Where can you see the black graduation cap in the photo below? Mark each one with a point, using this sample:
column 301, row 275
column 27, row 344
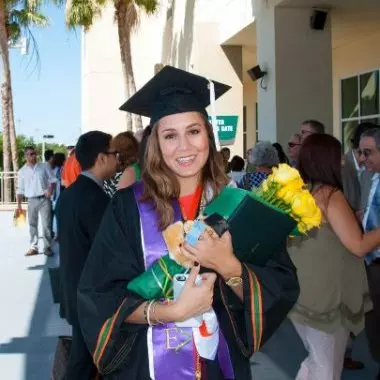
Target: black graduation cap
column 173, row 91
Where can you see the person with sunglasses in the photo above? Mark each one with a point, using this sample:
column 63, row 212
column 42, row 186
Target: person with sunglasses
column 79, row 211
column 369, row 151
column 294, row 146
column 356, row 185
column 36, row 183
column 356, row 179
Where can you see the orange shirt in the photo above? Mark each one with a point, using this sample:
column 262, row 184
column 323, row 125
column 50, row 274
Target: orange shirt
column 71, row 170
column 190, row 204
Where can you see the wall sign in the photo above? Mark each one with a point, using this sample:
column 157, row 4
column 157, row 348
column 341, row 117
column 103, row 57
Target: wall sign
column 227, row 128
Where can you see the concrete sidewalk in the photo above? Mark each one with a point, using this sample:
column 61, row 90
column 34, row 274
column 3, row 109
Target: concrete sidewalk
column 30, row 323
column 29, row 320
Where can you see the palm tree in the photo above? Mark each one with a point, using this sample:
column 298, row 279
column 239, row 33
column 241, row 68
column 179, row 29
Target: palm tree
column 16, row 18
column 5, row 87
column 83, row 13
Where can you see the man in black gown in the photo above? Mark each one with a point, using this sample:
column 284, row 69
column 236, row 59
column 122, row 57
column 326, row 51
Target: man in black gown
column 80, row 209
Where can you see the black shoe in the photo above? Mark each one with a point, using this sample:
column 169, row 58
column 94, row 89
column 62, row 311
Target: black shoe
column 48, row 252
column 351, row 364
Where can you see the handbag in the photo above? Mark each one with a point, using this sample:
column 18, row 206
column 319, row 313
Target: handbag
column 61, row 357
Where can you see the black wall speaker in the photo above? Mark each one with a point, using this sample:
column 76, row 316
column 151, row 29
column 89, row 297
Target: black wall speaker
column 318, row 19
column 256, row 73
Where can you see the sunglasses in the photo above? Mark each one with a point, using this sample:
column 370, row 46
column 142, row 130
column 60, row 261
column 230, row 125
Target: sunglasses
column 292, row 145
column 112, row 153
column 31, row 154
column 365, row 152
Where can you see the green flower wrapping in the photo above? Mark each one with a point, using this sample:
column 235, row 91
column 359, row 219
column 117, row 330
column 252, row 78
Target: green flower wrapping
column 157, row 281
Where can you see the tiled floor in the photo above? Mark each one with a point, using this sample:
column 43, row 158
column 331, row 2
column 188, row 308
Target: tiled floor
column 30, row 324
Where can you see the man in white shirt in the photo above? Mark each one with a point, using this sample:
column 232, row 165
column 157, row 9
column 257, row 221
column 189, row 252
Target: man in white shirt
column 370, row 151
column 36, row 183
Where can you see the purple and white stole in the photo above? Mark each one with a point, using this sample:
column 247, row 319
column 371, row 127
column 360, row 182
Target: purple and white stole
column 171, row 350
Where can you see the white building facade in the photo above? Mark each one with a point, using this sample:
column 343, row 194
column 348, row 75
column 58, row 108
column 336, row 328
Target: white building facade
column 331, row 75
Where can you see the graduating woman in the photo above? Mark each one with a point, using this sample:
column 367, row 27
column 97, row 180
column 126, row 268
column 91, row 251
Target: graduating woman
column 131, row 338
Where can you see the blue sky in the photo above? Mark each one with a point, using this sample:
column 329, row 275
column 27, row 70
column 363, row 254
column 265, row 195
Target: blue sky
column 47, row 99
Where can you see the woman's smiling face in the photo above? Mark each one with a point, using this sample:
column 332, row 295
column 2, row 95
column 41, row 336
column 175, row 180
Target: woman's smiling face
column 184, row 143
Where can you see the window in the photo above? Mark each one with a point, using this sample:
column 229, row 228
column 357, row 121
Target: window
column 360, row 97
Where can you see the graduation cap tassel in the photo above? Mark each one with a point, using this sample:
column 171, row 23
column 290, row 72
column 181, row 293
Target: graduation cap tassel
column 213, row 114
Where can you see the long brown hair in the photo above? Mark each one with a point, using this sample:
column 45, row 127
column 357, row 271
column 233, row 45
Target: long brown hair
column 160, row 183
column 320, row 161
column 320, row 164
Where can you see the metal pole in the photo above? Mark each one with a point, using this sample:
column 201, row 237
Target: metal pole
column 44, row 138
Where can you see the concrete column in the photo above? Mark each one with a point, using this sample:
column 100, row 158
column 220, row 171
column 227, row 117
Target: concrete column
column 298, row 60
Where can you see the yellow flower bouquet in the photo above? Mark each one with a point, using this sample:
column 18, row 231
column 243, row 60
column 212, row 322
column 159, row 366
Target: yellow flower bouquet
column 285, row 190
column 260, row 221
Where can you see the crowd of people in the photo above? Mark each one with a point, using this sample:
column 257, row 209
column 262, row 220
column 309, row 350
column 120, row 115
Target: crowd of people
column 41, row 184
column 109, row 200
column 339, row 290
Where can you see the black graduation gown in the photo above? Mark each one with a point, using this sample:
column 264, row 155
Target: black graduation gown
column 80, row 210
column 120, row 349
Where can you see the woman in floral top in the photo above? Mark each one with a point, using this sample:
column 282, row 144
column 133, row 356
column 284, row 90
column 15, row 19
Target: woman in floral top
column 264, row 157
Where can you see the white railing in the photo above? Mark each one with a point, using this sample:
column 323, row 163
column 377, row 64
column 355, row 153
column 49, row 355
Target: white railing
column 4, row 176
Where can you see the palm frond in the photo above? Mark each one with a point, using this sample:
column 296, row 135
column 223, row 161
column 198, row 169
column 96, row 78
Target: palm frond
column 58, row 3
column 81, row 12
column 21, row 16
column 32, row 4
column 101, row 3
column 149, row 6
column 14, row 32
column 27, row 17
column 35, row 55
column 134, row 8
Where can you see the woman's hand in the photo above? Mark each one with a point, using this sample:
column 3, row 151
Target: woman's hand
column 195, row 299
column 215, row 253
